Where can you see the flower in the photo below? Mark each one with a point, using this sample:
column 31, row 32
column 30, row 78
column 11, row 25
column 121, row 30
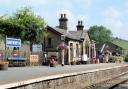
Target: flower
column 62, row 46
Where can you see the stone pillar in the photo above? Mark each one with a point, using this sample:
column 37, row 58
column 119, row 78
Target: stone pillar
column 89, row 52
column 94, row 52
column 62, row 55
column 62, row 51
column 69, row 59
column 93, row 48
column 79, row 50
column 74, row 50
column 83, row 48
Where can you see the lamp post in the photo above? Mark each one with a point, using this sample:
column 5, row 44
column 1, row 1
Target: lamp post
column 62, row 51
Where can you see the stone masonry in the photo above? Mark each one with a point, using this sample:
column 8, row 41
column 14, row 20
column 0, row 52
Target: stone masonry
column 77, row 81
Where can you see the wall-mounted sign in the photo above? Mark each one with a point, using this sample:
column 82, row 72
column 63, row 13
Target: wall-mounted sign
column 62, row 37
column 34, row 58
column 12, row 42
column 36, row 48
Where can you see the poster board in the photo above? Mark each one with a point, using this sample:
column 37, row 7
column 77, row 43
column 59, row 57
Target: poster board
column 34, row 58
column 12, row 42
column 36, row 48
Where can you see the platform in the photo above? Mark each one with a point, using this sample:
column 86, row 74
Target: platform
column 15, row 76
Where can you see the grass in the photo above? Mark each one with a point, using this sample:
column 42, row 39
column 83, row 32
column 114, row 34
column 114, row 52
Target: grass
column 120, row 42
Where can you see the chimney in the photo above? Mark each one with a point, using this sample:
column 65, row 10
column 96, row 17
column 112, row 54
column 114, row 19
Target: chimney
column 63, row 22
column 80, row 26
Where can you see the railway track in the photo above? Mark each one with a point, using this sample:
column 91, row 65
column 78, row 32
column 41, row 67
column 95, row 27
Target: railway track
column 120, row 82
column 122, row 85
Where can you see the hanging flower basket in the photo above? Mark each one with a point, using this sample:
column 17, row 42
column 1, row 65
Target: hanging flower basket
column 62, row 46
column 3, row 65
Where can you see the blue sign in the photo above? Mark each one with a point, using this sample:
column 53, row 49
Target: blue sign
column 12, row 42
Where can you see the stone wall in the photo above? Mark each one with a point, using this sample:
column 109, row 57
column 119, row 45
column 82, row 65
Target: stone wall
column 77, row 80
column 24, row 51
column 55, row 41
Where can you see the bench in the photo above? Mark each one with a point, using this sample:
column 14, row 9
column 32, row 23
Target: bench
column 16, row 61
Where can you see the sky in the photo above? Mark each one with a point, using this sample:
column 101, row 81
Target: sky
column 113, row 14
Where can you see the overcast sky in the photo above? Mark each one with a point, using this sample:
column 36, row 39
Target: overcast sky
column 111, row 13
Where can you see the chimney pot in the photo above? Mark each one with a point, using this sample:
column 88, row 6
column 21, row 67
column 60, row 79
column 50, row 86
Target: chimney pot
column 80, row 25
column 78, row 22
column 63, row 22
column 64, row 15
column 81, row 22
column 61, row 15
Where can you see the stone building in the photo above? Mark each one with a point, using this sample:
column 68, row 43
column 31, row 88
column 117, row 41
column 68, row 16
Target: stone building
column 116, row 46
column 78, row 42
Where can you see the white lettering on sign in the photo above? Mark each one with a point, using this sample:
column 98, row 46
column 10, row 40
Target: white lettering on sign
column 36, row 48
column 12, row 42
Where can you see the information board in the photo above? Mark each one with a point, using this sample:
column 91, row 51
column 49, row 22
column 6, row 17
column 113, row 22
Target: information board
column 34, row 58
column 12, row 42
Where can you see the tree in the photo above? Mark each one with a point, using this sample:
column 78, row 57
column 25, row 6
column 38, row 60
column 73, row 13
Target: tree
column 35, row 26
column 24, row 24
column 10, row 28
column 1, row 35
column 100, row 34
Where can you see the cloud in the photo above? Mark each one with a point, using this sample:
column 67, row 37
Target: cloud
column 21, row 3
column 66, row 4
column 126, row 8
column 112, row 20
column 36, row 2
column 81, row 17
column 111, row 12
column 4, row 1
column 83, row 4
column 114, row 23
column 118, row 27
column 69, row 4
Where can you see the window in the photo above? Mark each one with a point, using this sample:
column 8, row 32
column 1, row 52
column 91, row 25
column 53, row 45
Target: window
column 77, row 50
column 49, row 45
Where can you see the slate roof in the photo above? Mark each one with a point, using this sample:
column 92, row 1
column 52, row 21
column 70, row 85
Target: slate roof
column 64, row 32
column 79, row 34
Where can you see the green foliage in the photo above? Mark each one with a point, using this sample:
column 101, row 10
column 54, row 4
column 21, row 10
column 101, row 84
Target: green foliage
column 1, row 37
column 100, row 34
column 116, row 59
column 120, row 42
column 24, row 24
column 126, row 58
column 10, row 28
column 35, row 25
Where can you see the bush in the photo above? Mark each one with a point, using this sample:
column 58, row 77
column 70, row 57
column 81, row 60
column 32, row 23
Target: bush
column 126, row 58
column 116, row 59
